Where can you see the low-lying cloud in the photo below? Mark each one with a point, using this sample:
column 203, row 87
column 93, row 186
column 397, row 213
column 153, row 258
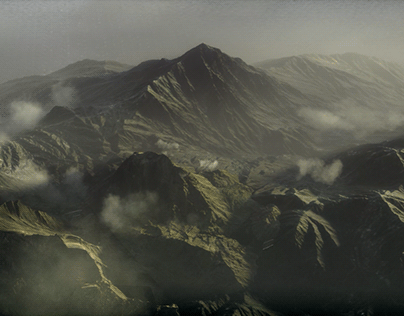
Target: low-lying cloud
column 22, row 116
column 355, row 118
column 37, row 188
column 120, row 213
column 25, row 176
column 208, row 165
column 319, row 171
column 63, row 95
column 161, row 144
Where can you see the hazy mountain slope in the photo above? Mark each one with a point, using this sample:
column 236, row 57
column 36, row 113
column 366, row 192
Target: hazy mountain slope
column 356, row 97
column 46, row 270
column 53, row 89
column 336, row 248
column 89, row 68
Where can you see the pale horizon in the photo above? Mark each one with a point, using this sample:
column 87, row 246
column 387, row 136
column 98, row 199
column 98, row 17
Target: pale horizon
column 43, row 36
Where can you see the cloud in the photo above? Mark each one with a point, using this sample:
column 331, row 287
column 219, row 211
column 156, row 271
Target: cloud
column 208, row 165
column 34, row 185
column 166, row 145
column 27, row 175
column 324, row 119
column 360, row 120
column 22, row 116
column 319, row 171
column 120, row 213
column 63, row 95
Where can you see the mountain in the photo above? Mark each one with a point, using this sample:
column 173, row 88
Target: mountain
column 203, row 186
column 356, row 99
column 203, row 99
column 90, row 68
column 339, row 244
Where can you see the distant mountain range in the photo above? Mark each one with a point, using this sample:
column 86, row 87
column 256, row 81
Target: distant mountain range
column 355, row 98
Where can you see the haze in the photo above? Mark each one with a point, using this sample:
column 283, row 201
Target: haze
column 38, row 37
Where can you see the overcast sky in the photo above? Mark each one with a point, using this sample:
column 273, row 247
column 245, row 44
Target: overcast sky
column 38, row 37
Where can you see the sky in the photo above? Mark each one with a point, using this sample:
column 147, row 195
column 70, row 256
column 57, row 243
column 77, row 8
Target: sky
column 38, row 37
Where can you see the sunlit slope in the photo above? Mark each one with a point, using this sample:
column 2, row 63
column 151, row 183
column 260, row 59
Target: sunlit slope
column 164, row 213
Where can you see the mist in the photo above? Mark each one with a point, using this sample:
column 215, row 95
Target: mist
column 207, row 165
column 26, row 176
column 318, row 170
column 63, row 95
column 36, row 188
column 361, row 121
column 161, row 144
column 121, row 213
column 22, row 116
column 58, row 274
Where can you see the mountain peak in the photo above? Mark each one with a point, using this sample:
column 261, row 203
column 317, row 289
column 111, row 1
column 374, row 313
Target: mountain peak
column 205, row 47
column 204, row 50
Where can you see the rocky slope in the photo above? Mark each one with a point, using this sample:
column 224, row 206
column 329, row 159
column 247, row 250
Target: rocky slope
column 339, row 246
